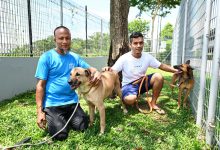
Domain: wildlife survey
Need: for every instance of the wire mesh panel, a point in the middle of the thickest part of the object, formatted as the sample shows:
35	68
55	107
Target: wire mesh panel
13	26
26	27
188	45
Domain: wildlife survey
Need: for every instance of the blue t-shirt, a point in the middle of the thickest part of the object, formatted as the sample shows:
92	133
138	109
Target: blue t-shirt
55	69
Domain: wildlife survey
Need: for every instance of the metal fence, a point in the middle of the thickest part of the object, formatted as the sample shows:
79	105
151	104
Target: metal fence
196	37
26	27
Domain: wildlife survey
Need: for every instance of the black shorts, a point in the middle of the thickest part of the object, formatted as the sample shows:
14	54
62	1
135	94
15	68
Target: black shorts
58	116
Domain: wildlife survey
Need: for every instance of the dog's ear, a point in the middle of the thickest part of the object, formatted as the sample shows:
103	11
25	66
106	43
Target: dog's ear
87	72
190	68
188	62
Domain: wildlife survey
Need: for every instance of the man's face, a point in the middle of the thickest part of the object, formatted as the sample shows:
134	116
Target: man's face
136	46
62	39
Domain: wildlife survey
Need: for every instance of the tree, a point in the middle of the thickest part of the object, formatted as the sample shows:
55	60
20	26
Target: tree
154	7
118	29
138	25
167	32
99	43
78	45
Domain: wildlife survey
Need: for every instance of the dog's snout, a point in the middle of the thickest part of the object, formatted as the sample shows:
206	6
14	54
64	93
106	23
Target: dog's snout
176	66
70	81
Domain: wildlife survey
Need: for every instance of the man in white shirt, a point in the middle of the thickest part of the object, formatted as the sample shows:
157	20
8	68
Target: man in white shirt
134	65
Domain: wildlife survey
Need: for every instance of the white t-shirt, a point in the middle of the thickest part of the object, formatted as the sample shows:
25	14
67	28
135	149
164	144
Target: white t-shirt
134	68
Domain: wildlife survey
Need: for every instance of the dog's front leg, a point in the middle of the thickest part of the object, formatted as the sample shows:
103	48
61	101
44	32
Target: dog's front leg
179	97
91	113
186	97
101	109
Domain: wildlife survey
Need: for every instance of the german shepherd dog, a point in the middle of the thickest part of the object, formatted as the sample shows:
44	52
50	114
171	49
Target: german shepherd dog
185	81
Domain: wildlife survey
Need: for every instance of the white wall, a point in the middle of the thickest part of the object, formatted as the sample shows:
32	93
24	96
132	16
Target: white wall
17	74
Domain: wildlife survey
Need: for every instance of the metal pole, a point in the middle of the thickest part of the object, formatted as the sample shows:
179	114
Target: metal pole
184	32
30	28
210	124
157	40
61	12
101	36
86	29
203	64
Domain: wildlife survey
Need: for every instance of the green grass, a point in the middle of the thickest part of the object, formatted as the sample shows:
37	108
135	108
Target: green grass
174	131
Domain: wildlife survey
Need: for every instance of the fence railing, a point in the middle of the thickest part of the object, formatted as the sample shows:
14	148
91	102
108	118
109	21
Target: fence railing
26	27
196	37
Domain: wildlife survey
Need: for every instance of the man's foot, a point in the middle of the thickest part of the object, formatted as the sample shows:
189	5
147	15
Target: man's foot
160	111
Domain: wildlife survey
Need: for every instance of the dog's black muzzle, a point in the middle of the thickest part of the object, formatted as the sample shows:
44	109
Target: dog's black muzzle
74	83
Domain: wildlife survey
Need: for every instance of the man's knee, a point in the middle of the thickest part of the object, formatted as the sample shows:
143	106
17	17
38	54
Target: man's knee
130	99
61	136
81	123
157	79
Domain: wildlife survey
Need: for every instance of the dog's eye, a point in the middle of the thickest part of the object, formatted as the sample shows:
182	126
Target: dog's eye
77	74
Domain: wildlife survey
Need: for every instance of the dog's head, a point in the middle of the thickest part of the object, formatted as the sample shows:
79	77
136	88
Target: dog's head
78	76
185	68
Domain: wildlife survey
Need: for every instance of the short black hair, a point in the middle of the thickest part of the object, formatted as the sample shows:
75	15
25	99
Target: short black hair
135	35
59	27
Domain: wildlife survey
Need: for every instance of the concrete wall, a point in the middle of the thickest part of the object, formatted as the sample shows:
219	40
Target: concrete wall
17	74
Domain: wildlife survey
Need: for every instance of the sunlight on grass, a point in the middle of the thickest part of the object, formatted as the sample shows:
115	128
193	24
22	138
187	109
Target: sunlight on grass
175	130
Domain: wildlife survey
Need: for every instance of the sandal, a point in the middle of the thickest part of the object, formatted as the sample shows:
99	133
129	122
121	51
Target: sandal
160	111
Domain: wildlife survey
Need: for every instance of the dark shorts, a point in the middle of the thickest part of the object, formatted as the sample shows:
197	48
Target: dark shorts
58	116
132	89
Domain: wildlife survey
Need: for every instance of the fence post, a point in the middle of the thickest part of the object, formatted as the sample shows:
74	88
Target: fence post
202	82
86	29
184	32
30	28
61	12
210	124
101	42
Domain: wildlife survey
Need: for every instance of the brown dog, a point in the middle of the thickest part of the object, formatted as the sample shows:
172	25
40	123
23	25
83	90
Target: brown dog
95	94
185	81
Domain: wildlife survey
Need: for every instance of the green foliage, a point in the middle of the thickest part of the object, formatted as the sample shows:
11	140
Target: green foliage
78	45
138	25
154	5
39	47
98	43
167	32
44	44
168	45
175	130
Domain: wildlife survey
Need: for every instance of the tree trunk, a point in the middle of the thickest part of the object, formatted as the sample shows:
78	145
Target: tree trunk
119	10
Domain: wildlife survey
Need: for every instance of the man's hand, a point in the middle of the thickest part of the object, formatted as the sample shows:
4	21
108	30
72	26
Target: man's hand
96	77
106	69
41	119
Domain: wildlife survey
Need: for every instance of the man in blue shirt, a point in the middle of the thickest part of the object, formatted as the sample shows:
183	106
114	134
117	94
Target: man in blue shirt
54	98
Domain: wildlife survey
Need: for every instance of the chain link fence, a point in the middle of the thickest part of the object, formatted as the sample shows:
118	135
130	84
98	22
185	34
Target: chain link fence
26	27
196	38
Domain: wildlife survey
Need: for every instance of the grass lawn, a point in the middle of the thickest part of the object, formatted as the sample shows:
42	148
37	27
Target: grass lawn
174	131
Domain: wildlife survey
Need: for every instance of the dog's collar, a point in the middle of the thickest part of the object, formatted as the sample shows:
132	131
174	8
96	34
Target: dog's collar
86	91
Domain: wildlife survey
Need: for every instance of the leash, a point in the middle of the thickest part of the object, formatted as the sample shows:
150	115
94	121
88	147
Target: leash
22	143
141	81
